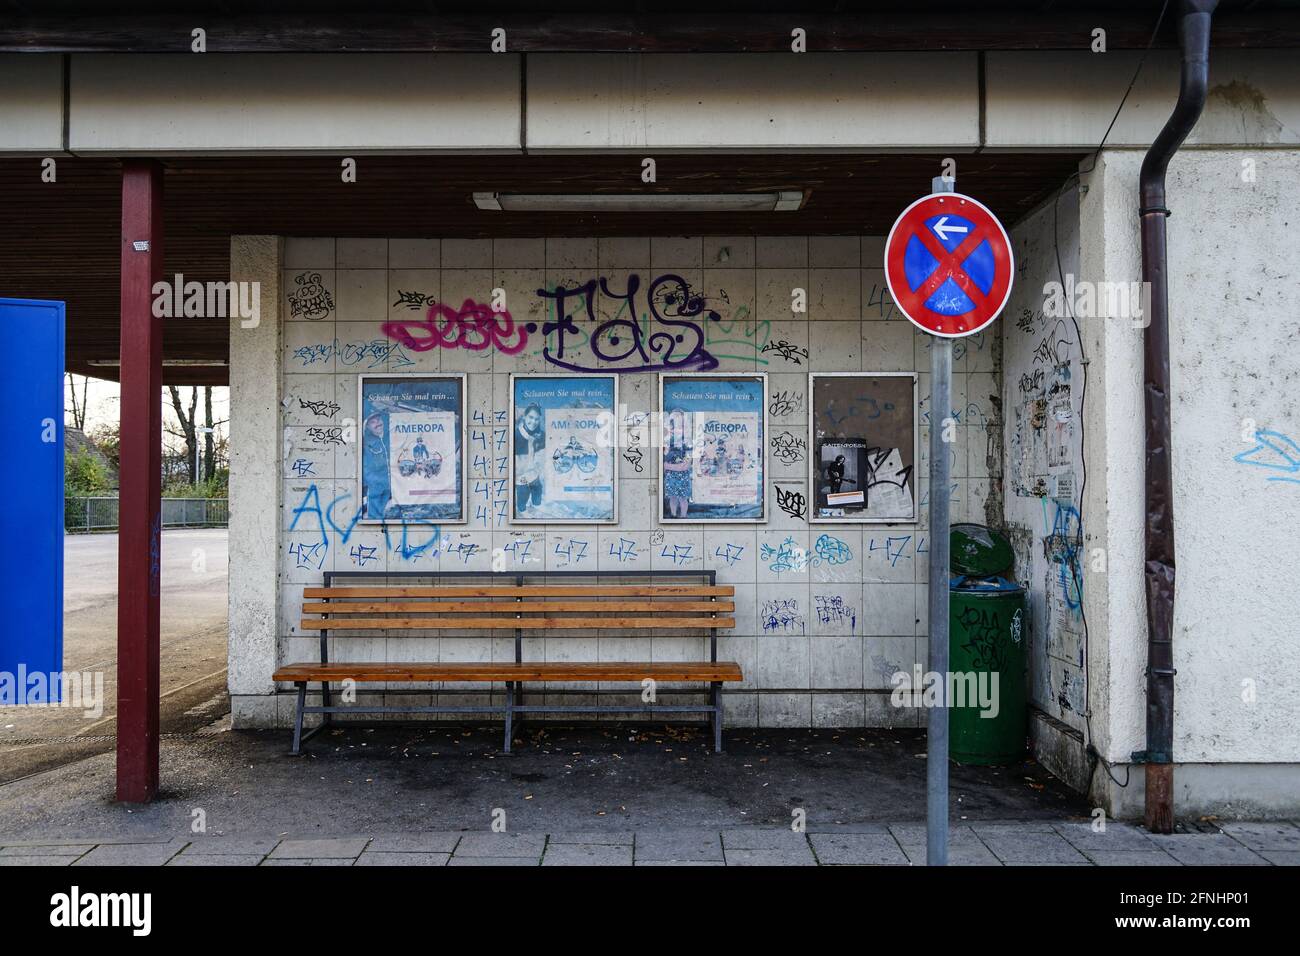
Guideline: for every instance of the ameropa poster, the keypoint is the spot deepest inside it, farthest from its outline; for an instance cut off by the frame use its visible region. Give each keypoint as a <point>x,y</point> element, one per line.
<point>411,443</point>
<point>711,457</point>
<point>863,430</point>
<point>563,448</point>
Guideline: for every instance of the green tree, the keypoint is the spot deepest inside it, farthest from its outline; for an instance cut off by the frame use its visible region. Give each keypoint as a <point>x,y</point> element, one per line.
<point>84,475</point>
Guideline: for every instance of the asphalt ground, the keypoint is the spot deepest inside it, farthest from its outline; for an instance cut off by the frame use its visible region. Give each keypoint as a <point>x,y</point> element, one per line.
<point>193,650</point>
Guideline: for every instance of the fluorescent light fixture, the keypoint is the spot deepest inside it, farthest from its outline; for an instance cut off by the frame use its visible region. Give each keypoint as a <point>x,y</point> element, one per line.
<point>640,202</point>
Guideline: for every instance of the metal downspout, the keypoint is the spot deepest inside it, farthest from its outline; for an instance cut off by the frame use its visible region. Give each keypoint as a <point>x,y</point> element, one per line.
<point>1194,38</point>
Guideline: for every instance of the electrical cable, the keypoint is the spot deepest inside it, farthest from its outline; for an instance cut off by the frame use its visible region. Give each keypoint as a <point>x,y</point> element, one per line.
<point>1083,396</point>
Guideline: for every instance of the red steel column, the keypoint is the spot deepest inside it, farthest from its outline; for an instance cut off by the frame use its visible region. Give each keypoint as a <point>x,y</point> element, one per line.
<point>138,556</point>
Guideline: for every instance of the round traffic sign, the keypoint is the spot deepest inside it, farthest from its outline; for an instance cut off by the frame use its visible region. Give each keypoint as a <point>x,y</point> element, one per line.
<point>949,265</point>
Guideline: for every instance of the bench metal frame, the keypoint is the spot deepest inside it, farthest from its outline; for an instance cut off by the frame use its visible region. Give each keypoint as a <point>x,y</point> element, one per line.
<point>513,704</point>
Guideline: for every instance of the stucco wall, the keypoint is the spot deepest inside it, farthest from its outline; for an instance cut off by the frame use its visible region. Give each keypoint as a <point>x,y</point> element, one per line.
<point>1236,480</point>
<point>804,670</point>
<point>1235,374</point>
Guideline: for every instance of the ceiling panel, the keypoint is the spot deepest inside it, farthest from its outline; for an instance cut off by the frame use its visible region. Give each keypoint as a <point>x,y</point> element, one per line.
<point>61,240</point>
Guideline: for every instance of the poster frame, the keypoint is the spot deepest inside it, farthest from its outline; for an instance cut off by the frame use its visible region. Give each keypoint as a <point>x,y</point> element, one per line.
<point>814,451</point>
<point>660,517</point>
<point>463,378</point>
<point>615,428</point>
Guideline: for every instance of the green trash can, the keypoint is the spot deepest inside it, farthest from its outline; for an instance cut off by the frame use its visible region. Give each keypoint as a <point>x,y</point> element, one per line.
<point>987,719</point>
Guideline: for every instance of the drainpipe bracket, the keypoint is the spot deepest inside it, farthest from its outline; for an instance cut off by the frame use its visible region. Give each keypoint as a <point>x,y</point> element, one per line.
<point>1163,210</point>
<point>1151,756</point>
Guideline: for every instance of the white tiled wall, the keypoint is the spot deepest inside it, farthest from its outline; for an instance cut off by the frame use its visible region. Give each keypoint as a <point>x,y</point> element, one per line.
<point>808,669</point>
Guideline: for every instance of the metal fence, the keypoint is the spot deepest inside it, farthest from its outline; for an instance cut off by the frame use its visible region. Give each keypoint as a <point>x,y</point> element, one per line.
<point>100,514</point>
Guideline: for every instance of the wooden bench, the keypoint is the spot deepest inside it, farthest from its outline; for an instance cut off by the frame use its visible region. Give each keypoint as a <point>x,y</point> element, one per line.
<point>467,609</point>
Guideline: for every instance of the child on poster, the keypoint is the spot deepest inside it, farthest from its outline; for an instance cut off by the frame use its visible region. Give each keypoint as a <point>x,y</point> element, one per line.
<point>677,464</point>
<point>711,460</point>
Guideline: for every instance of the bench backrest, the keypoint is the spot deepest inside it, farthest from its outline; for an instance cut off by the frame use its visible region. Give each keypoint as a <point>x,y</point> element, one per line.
<point>527,604</point>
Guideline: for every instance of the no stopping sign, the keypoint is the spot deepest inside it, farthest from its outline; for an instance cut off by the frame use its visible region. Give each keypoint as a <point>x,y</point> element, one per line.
<point>948,264</point>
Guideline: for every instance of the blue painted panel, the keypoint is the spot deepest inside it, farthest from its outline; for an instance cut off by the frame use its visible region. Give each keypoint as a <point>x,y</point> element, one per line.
<point>31,490</point>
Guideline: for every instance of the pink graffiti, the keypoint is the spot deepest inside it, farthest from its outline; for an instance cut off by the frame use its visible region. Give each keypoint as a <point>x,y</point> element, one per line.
<point>475,326</point>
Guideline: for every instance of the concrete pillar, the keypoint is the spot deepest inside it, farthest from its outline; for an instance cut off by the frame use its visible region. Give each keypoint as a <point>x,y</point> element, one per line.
<point>1114,599</point>
<point>254,485</point>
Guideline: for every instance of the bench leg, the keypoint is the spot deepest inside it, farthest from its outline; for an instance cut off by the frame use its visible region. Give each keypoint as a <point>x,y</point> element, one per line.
<point>297,718</point>
<point>717,717</point>
<point>325,719</point>
<point>510,714</point>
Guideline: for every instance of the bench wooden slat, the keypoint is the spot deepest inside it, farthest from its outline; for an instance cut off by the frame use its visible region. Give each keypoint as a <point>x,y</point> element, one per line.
<point>527,590</point>
<point>507,607</point>
<point>510,671</point>
<point>510,623</point>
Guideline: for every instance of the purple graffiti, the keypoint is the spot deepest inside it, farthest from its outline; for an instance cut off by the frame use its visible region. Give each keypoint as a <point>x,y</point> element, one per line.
<point>475,326</point>
<point>668,339</point>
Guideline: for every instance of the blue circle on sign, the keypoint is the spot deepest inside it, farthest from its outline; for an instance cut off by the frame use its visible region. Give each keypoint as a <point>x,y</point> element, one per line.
<point>950,231</point>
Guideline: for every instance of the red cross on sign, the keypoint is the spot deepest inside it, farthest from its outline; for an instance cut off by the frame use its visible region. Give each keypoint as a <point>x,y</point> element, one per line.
<point>949,265</point>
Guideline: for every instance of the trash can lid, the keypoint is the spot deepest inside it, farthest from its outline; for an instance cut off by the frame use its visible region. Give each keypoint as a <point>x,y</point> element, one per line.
<point>983,585</point>
<point>979,551</point>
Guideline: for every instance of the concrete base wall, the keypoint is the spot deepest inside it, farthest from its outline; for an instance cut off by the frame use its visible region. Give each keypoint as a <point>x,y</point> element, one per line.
<point>1227,791</point>
<point>1061,749</point>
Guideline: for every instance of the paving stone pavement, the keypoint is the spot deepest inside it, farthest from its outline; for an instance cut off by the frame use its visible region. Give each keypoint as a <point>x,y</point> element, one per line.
<point>1002,843</point>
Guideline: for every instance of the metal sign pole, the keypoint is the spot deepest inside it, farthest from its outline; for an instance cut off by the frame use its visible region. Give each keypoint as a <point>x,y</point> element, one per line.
<point>936,764</point>
<point>961,225</point>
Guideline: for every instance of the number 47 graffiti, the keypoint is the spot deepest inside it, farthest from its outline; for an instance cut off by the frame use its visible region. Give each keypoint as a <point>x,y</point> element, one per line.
<point>895,547</point>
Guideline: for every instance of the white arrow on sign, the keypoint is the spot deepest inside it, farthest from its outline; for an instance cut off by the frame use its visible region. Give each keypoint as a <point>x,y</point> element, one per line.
<point>941,229</point>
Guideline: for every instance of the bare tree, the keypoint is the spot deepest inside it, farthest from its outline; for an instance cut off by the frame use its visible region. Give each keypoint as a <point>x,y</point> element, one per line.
<point>78,410</point>
<point>209,437</point>
<point>107,437</point>
<point>187,422</point>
